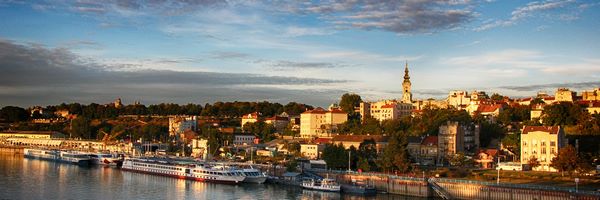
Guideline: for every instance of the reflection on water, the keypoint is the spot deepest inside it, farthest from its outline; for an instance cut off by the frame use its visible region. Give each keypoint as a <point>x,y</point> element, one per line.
<point>22,178</point>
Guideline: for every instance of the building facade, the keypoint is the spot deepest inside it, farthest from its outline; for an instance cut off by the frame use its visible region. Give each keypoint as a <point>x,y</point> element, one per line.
<point>250,118</point>
<point>320,122</point>
<point>178,124</point>
<point>454,137</point>
<point>385,110</point>
<point>543,143</point>
<point>564,94</point>
<point>311,151</point>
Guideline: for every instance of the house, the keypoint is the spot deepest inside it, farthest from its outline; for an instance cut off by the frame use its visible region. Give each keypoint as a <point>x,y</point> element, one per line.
<point>486,158</point>
<point>414,147</point>
<point>385,110</point>
<point>428,150</point>
<point>320,122</point>
<point>489,112</point>
<point>354,140</point>
<point>250,118</point>
<point>543,143</point>
<point>564,95</point>
<point>291,176</point>
<point>278,122</point>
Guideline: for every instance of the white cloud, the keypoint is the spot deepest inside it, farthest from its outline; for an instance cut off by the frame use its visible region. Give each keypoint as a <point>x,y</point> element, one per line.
<point>529,10</point>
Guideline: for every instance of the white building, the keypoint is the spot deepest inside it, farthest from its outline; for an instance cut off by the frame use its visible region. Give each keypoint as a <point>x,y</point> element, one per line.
<point>243,140</point>
<point>320,122</point>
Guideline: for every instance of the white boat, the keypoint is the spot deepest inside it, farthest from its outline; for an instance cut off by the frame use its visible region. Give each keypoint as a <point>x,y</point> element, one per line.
<point>106,159</point>
<point>58,156</point>
<point>254,176</point>
<point>42,154</point>
<point>326,184</point>
<point>183,170</point>
<point>77,158</point>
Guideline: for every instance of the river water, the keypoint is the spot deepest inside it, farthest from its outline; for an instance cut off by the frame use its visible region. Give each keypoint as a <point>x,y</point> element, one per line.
<point>23,178</point>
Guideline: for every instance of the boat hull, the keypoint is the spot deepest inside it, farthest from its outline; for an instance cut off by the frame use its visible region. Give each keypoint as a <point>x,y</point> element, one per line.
<point>232,182</point>
<point>258,179</point>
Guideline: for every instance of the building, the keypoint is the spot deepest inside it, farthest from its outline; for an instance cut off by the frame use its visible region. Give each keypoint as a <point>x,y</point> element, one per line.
<point>178,124</point>
<point>320,122</point>
<point>243,140</point>
<point>593,95</point>
<point>428,150</point>
<point>454,137</point>
<point>543,143</point>
<point>486,158</point>
<point>354,140</point>
<point>564,94</point>
<point>200,148</point>
<point>414,147</point>
<point>385,110</point>
<point>279,122</point>
<point>458,99</point>
<point>32,134</point>
<point>489,112</point>
<point>311,151</point>
<point>594,107</point>
<point>117,103</point>
<point>250,118</point>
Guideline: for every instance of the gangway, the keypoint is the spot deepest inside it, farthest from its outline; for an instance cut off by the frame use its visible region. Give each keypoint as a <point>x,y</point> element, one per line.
<point>438,190</point>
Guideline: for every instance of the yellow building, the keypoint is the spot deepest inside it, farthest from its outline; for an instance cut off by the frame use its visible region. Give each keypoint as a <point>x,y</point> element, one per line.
<point>458,99</point>
<point>311,151</point>
<point>320,122</point>
<point>354,140</point>
<point>385,110</point>
<point>250,118</point>
<point>593,95</point>
<point>564,94</point>
<point>541,142</point>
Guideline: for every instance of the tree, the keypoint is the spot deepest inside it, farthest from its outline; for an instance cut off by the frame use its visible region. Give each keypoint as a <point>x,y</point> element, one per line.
<point>563,113</point>
<point>490,131</point>
<point>566,160</point>
<point>349,101</point>
<point>459,159</point>
<point>367,155</point>
<point>497,97</point>
<point>80,128</point>
<point>335,156</point>
<point>13,114</point>
<point>395,155</point>
<point>533,162</point>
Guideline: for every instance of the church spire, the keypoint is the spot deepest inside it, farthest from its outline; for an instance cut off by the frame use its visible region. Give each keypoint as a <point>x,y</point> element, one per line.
<point>406,76</point>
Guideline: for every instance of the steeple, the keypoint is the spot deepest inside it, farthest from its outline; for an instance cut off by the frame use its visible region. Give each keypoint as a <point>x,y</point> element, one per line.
<point>406,76</point>
<point>406,86</point>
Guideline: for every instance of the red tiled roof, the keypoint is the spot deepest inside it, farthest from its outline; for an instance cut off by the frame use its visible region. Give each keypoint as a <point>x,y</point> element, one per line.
<point>388,106</point>
<point>491,152</point>
<point>430,141</point>
<point>595,104</point>
<point>549,98</point>
<point>359,138</point>
<point>550,129</point>
<point>488,108</point>
<point>253,115</point>
<point>322,140</point>
<point>320,110</point>
<point>336,111</point>
<point>526,99</point>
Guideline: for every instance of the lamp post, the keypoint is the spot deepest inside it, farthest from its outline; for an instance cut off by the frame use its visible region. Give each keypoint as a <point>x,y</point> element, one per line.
<point>498,169</point>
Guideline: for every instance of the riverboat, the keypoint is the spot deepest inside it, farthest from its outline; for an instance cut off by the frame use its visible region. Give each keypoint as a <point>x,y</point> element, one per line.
<point>183,170</point>
<point>325,184</point>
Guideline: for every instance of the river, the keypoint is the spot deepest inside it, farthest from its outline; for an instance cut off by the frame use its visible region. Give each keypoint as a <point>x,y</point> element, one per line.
<point>22,178</point>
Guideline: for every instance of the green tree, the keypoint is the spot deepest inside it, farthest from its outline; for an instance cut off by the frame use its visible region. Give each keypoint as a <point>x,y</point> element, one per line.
<point>459,159</point>
<point>80,128</point>
<point>335,156</point>
<point>533,162</point>
<point>563,113</point>
<point>497,97</point>
<point>13,114</point>
<point>395,155</point>
<point>566,160</point>
<point>367,155</point>
<point>349,101</point>
<point>490,131</point>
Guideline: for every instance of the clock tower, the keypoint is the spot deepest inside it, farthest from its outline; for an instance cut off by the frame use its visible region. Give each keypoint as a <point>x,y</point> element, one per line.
<point>406,94</point>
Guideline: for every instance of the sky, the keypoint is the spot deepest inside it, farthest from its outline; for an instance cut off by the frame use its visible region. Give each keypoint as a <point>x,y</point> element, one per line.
<point>203,51</point>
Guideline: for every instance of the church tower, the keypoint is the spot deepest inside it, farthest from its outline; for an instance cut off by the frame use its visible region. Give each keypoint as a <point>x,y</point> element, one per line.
<point>406,94</point>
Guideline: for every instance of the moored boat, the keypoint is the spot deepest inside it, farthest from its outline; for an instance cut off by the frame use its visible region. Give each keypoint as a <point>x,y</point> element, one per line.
<point>77,158</point>
<point>106,159</point>
<point>183,170</point>
<point>325,184</point>
<point>253,176</point>
<point>81,159</point>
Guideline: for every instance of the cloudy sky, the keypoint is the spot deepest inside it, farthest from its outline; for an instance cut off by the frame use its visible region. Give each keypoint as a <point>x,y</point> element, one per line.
<point>306,51</point>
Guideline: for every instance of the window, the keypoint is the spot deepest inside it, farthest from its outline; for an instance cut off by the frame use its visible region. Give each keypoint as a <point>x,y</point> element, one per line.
<point>543,150</point>
<point>552,143</point>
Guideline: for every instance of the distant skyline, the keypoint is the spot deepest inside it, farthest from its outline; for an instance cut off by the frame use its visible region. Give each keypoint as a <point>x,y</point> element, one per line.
<point>310,52</point>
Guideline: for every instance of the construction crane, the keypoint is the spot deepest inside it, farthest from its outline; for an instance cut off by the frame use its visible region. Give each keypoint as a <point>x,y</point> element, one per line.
<point>110,137</point>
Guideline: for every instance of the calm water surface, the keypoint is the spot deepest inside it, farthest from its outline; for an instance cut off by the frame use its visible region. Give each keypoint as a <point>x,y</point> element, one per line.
<point>22,178</point>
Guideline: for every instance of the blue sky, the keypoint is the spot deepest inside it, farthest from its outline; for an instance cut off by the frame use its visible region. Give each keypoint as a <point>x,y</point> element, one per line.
<point>310,51</point>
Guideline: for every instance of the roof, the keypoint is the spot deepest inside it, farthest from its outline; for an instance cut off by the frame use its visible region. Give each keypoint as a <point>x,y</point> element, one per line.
<point>320,110</point>
<point>490,152</point>
<point>484,108</point>
<point>549,98</point>
<point>595,104</point>
<point>549,129</point>
<point>359,138</point>
<point>322,140</point>
<point>291,174</point>
<point>277,118</point>
<point>388,106</point>
<point>29,132</point>
<point>430,141</point>
<point>253,115</point>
